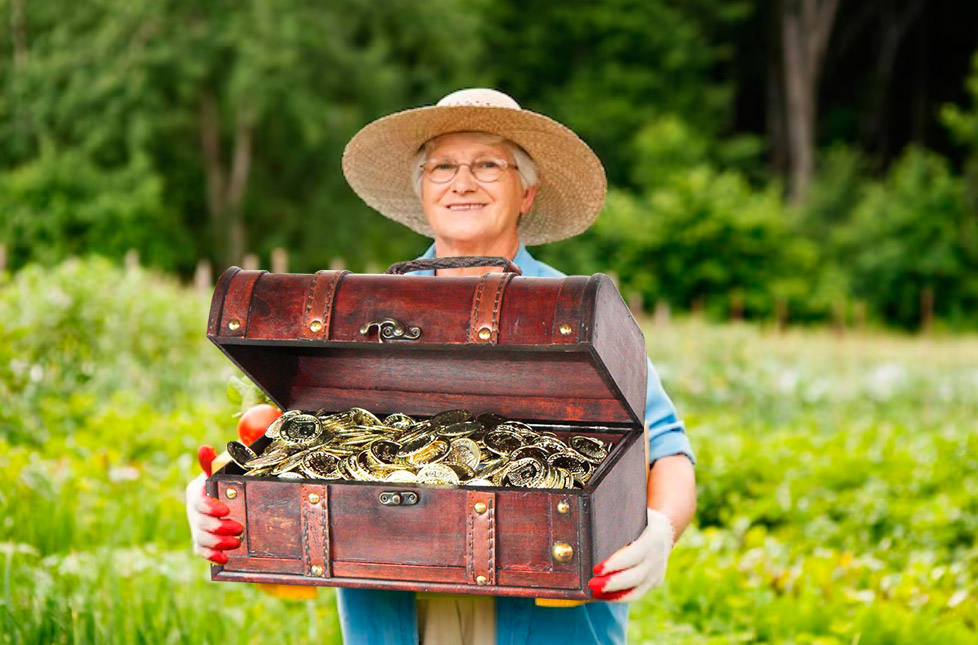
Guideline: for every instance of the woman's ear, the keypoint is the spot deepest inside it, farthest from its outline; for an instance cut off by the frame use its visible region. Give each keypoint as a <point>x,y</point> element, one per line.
<point>528,195</point>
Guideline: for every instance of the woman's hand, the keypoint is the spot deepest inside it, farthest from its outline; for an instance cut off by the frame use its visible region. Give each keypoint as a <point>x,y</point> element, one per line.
<point>210,533</point>
<point>634,569</point>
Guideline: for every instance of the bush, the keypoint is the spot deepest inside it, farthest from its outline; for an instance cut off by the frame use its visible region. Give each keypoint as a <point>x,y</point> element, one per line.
<point>86,338</point>
<point>911,235</point>
<point>702,237</point>
<point>64,204</point>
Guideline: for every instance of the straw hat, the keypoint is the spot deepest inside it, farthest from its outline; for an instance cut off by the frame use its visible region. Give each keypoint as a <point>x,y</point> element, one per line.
<point>377,162</point>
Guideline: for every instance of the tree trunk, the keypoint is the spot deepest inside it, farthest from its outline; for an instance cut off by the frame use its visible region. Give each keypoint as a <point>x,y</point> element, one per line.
<point>18,32</point>
<point>805,29</point>
<point>226,187</point>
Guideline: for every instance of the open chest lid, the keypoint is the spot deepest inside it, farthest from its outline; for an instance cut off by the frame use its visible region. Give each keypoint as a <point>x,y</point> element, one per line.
<point>534,349</point>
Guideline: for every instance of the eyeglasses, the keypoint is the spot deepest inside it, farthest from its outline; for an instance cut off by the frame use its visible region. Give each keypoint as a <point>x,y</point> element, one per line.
<point>442,171</point>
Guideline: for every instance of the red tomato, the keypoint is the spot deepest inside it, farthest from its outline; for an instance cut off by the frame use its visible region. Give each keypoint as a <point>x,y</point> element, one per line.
<point>255,421</point>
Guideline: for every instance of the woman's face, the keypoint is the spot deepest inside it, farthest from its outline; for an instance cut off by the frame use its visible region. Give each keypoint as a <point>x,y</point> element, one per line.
<point>465,210</point>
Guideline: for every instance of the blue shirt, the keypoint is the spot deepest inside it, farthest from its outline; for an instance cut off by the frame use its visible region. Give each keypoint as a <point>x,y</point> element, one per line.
<point>373,617</point>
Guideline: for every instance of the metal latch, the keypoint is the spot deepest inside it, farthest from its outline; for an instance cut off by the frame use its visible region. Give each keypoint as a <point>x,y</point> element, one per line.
<point>403,498</point>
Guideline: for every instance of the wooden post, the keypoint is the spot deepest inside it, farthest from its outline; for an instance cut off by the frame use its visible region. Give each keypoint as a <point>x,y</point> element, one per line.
<point>737,306</point>
<point>202,276</point>
<point>839,316</point>
<point>636,304</point>
<point>337,264</point>
<point>859,316</point>
<point>249,262</point>
<point>781,314</point>
<point>926,310</point>
<point>662,313</point>
<point>280,260</point>
<point>131,260</point>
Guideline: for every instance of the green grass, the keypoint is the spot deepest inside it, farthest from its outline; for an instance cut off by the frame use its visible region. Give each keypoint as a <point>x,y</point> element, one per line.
<point>838,479</point>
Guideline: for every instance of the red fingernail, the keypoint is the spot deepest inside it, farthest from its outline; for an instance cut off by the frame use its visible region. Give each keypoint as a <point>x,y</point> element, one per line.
<point>216,508</point>
<point>229,527</point>
<point>218,558</point>
<point>205,457</point>
<point>614,595</point>
<point>597,585</point>
<point>599,569</point>
<point>227,543</point>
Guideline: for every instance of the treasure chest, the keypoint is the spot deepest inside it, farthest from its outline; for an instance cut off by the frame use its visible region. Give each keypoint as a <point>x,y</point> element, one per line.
<point>563,355</point>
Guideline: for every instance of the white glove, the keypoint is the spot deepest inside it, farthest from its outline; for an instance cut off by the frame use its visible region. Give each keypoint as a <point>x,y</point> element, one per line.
<point>210,533</point>
<point>634,569</point>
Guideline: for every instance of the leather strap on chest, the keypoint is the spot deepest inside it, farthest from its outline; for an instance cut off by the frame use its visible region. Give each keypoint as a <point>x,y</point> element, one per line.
<point>319,304</point>
<point>237,303</point>
<point>486,304</point>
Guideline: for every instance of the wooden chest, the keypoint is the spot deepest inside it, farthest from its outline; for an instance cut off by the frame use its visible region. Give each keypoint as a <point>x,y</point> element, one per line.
<point>563,355</point>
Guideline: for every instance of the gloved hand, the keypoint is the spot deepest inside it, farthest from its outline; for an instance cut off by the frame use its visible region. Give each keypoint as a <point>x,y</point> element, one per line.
<point>210,533</point>
<point>634,569</point>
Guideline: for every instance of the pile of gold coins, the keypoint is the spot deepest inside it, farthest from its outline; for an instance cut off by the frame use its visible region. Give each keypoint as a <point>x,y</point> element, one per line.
<point>452,448</point>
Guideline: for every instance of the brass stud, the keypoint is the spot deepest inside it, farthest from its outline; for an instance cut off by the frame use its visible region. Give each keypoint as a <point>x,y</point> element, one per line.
<point>563,507</point>
<point>485,333</point>
<point>231,493</point>
<point>313,498</point>
<point>316,570</point>
<point>565,329</point>
<point>482,581</point>
<point>233,324</point>
<point>316,326</point>
<point>480,507</point>
<point>563,552</point>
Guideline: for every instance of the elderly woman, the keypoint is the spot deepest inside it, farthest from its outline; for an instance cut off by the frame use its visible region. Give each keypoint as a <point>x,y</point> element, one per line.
<point>483,177</point>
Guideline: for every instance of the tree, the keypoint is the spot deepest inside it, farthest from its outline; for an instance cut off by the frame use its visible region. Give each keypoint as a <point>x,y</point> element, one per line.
<point>805,29</point>
<point>241,109</point>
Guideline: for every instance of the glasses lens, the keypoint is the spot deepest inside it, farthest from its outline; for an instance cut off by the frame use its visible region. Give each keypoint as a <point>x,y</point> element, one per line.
<point>443,171</point>
<point>440,172</point>
<point>488,169</point>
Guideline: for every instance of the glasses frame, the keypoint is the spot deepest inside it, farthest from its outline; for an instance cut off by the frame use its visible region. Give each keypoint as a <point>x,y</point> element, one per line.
<point>503,167</point>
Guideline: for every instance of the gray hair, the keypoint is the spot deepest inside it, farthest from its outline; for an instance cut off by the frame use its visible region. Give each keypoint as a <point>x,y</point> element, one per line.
<point>525,166</point>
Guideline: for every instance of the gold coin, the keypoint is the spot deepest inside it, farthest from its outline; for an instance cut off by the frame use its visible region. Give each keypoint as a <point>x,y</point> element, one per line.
<point>240,453</point>
<point>502,442</point>
<point>384,450</point>
<point>489,421</point>
<point>572,462</point>
<point>533,451</point>
<point>301,430</point>
<point>319,465</point>
<point>449,417</point>
<point>398,421</point>
<point>437,474</point>
<point>270,458</point>
<point>275,426</point>
<point>524,472</point>
<point>594,450</point>
<point>465,451</point>
<point>401,476</point>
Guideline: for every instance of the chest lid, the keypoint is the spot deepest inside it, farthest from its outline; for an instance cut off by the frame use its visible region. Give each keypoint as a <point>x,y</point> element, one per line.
<point>535,349</point>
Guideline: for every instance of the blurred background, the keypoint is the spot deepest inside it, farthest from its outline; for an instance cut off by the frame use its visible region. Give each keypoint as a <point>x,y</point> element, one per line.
<point>792,217</point>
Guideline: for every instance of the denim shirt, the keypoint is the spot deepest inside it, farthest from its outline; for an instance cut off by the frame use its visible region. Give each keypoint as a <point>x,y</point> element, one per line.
<point>373,617</point>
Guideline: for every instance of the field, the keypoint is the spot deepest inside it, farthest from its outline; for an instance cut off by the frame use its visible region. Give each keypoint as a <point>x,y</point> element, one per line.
<point>838,478</point>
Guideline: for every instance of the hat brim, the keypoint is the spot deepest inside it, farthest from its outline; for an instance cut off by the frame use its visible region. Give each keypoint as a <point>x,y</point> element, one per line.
<point>377,160</point>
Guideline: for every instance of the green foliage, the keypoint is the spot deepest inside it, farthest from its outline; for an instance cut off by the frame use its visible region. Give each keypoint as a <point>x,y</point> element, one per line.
<point>911,233</point>
<point>608,69</point>
<point>701,237</point>
<point>63,204</point>
<point>85,338</point>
